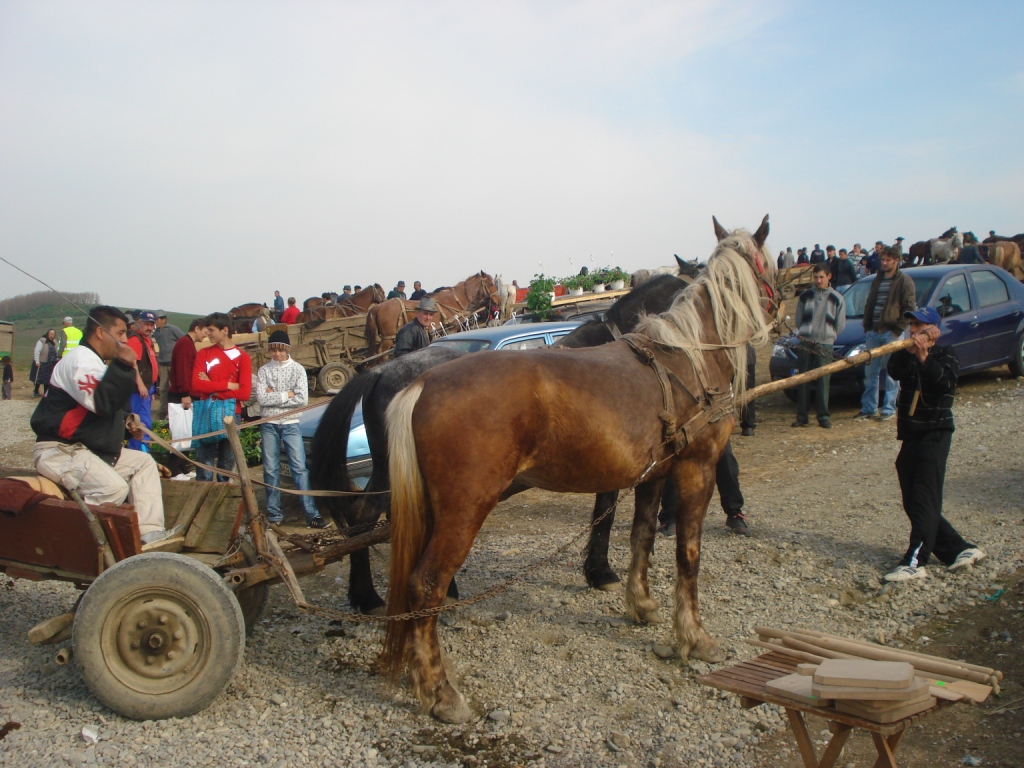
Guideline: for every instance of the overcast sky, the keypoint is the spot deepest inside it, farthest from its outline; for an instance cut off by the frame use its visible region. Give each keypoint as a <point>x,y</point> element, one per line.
<point>194,156</point>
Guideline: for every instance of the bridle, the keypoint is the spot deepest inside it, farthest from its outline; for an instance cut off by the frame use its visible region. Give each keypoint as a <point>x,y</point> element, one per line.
<point>766,287</point>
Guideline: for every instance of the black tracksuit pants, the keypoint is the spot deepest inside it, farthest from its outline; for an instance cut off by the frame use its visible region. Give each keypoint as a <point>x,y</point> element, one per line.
<point>727,478</point>
<point>921,467</point>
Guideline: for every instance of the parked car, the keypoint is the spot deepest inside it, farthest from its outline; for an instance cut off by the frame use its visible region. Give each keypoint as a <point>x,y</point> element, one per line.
<point>506,337</point>
<point>982,311</point>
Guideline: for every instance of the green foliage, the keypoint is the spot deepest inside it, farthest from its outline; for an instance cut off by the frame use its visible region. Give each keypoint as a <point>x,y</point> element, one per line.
<point>586,282</point>
<point>251,445</point>
<point>538,297</point>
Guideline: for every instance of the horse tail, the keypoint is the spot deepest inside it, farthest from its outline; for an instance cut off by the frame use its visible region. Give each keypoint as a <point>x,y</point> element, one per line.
<point>371,332</point>
<point>329,463</point>
<point>409,522</point>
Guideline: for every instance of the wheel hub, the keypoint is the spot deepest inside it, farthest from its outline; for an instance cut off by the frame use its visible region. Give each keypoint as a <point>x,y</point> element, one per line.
<point>156,638</point>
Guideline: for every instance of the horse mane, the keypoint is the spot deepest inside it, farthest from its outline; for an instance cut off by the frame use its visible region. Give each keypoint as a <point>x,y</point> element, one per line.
<point>735,302</point>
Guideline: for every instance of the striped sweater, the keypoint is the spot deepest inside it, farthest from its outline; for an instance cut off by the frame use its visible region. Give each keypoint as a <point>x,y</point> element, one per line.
<point>935,378</point>
<point>273,383</point>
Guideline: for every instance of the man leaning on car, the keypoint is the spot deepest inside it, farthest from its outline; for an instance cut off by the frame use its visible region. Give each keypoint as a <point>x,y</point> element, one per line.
<point>890,297</point>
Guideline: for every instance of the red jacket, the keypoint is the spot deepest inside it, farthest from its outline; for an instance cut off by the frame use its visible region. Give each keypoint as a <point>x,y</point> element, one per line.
<point>289,315</point>
<point>183,358</point>
<point>223,366</point>
<point>147,359</point>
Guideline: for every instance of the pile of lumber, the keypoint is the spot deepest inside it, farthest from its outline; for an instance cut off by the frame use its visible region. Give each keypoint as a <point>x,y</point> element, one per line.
<point>887,692</point>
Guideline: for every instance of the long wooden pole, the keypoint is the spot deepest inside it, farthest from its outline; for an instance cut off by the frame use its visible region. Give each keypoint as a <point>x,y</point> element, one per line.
<point>839,365</point>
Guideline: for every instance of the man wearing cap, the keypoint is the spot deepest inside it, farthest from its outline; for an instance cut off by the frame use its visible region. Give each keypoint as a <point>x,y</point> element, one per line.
<point>817,255</point>
<point>346,293</point>
<point>890,297</point>
<point>398,292</point>
<point>927,376</point>
<point>413,335</point>
<point>70,337</point>
<point>165,336</point>
<point>281,386</point>
<point>140,340</point>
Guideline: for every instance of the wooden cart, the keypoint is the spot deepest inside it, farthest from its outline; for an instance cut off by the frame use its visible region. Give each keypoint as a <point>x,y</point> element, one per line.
<point>159,630</point>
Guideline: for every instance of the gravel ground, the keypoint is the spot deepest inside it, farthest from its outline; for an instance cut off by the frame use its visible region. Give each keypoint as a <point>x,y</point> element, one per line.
<point>557,674</point>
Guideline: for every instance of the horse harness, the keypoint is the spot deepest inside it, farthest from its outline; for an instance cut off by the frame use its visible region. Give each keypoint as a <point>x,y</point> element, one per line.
<point>714,402</point>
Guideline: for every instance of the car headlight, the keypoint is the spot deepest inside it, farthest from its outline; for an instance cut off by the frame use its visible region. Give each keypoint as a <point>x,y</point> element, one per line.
<point>855,350</point>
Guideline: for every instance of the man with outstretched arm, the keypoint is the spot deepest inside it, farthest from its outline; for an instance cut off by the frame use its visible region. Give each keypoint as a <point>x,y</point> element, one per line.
<point>927,376</point>
<point>80,425</point>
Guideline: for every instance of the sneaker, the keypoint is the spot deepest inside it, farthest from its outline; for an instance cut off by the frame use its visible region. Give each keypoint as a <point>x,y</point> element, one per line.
<point>967,558</point>
<point>737,524</point>
<point>885,416</point>
<point>799,423</point>
<point>747,432</point>
<point>907,573</point>
<point>317,522</point>
<point>667,529</point>
<point>863,416</point>
<point>825,424</point>
<point>154,536</point>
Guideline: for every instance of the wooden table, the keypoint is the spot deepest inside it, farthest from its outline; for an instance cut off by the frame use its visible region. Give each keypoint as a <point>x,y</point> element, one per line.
<point>748,680</point>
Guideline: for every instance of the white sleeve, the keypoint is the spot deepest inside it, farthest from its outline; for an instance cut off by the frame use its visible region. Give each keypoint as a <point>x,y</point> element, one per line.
<point>78,373</point>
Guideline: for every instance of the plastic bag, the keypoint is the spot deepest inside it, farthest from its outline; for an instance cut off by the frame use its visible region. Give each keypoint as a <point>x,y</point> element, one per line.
<point>179,421</point>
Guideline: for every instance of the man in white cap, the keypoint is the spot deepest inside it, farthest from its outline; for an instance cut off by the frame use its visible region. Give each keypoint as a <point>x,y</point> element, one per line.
<point>413,335</point>
<point>70,337</point>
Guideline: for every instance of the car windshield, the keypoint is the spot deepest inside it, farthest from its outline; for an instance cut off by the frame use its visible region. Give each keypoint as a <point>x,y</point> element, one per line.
<point>857,296</point>
<point>463,345</point>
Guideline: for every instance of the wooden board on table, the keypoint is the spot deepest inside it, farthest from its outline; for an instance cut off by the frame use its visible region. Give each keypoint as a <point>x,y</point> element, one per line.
<point>846,692</point>
<point>797,688</point>
<point>863,673</point>
<point>885,715</point>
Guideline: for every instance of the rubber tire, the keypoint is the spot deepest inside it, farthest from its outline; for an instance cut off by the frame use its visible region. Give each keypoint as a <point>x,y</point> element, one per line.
<point>192,598</point>
<point>1017,361</point>
<point>333,376</point>
<point>252,600</point>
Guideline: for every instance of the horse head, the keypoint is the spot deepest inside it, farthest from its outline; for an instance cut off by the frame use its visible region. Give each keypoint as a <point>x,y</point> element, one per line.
<point>379,296</point>
<point>756,255</point>
<point>490,289</point>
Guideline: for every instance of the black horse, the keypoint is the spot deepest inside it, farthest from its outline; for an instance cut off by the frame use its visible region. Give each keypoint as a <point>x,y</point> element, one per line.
<point>376,388</point>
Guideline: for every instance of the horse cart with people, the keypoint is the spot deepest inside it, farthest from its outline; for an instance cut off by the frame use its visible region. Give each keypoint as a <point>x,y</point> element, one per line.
<point>158,630</point>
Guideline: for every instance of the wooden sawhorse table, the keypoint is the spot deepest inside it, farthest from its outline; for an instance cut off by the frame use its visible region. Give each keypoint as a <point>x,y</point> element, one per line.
<point>748,680</point>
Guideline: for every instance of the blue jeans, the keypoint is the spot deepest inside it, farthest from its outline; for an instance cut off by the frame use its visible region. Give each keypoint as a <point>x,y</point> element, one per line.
<point>217,455</point>
<point>288,436</point>
<point>869,402</point>
<point>143,408</point>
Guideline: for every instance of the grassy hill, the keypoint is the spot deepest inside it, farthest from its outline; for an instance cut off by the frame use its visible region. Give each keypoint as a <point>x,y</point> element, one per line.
<point>29,326</point>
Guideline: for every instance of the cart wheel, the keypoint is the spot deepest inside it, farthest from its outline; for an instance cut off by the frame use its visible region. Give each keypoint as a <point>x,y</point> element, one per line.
<point>252,600</point>
<point>333,376</point>
<point>158,635</point>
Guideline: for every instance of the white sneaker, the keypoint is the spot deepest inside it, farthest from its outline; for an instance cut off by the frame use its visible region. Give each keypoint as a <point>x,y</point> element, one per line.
<point>154,536</point>
<point>967,558</point>
<point>907,573</point>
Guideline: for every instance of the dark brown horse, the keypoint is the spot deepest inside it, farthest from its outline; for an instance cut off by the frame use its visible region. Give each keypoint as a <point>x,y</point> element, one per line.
<point>655,404</point>
<point>242,317</point>
<point>350,306</point>
<point>477,292</point>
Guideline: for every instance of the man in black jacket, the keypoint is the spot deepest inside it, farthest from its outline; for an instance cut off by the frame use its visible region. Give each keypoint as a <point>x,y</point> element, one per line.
<point>927,376</point>
<point>413,335</point>
<point>80,425</point>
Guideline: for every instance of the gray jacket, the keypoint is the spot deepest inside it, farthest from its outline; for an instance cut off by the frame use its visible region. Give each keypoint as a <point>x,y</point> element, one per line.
<point>820,315</point>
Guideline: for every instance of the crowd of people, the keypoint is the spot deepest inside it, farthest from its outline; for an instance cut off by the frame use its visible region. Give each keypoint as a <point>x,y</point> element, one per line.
<point>845,266</point>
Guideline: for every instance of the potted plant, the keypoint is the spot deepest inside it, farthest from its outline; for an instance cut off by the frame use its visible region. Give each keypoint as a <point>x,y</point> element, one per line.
<point>576,284</point>
<point>599,276</point>
<point>540,294</point>
<point>617,277</point>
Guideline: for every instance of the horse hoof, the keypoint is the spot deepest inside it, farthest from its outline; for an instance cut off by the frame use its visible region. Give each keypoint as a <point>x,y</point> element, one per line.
<point>611,586</point>
<point>712,654</point>
<point>452,712</point>
<point>652,616</point>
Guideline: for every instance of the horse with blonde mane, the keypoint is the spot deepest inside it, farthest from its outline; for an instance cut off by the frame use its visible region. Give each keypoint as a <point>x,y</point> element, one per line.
<point>653,405</point>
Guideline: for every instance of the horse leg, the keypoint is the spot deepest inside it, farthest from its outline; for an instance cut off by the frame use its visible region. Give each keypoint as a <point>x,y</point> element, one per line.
<point>596,570</point>
<point>695,482</point>
<point>639,603</point>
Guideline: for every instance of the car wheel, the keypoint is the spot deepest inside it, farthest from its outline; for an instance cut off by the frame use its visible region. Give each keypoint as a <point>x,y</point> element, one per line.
<point>1017,361</point>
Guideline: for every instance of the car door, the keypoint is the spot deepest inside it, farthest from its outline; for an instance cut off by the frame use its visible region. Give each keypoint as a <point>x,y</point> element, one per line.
<point>996,319</point>
<point>952,300</point>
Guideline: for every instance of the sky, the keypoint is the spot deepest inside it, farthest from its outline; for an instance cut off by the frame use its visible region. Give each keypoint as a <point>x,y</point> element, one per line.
<point>192,156</point>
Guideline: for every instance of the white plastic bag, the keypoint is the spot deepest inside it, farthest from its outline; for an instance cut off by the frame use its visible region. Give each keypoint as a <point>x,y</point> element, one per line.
<point>179,421</point>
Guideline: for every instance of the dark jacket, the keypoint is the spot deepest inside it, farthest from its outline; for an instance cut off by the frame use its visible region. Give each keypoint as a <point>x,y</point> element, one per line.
<point>87,403</point>
<point>901,299</point>
<point>410,337</point>
<point>843,272</point>
<point>935,378</point>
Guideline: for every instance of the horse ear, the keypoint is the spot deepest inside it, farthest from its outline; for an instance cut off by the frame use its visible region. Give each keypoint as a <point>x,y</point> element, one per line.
<point>681,264</point>
<point>720,232</point>
<point>762,232</point>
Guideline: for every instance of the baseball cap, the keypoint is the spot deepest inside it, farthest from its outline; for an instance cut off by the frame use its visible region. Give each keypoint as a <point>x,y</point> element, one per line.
<point>161,313</point>
<point>147,317</point>
<point>926,315</point>
<point>401,283</point>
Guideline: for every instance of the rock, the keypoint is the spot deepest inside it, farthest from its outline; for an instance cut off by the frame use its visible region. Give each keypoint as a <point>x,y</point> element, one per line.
<point>620,739</point>
<point>663,651</point>
<point>277,699</point>
<point>553,749</point>
<point>499,715</point>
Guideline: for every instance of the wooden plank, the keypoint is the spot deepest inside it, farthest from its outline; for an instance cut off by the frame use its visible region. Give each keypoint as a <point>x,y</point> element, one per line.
<point>885,715</point>
<point>182,501</point>
<point>840,734</point>
<point>797,688</point>
<point>973,692</point>
<point>803,739</point>
<point>806,669</point>
<point>869,694</point>
<point>864,673</point>
<point>217,531</point>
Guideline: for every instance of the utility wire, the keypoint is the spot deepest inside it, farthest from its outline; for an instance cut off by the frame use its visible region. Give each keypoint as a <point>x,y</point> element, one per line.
<point>69,301</point>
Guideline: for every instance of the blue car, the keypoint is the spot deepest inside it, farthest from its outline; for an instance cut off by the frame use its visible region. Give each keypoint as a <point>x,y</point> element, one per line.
<point>982,311</point>
<point>509,337</point>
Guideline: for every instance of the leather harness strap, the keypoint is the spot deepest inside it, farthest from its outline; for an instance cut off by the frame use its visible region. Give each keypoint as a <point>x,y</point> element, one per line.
<point>714,403</point>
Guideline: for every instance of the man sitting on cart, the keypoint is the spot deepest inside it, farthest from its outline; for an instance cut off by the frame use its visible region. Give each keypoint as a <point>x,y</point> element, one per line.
<point>80,425</point>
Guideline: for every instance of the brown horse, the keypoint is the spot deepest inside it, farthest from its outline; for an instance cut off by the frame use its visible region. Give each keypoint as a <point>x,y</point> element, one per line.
<point>242,317</point>
<point>1005,254</point>
<point>350,306</point>
<point>467,298</point>
<point>655,404</point>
